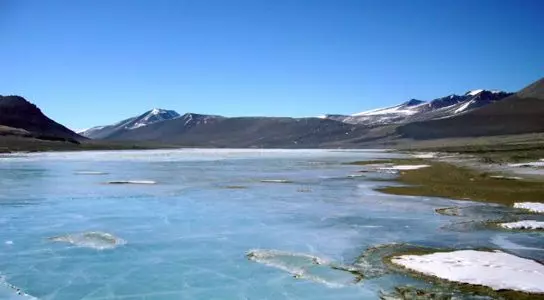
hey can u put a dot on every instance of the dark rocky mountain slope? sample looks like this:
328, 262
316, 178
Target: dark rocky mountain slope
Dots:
245, 132
26, 119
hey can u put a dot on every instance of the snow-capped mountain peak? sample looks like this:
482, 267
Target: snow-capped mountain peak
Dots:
413, 102
474, 92
153, 116
150, 117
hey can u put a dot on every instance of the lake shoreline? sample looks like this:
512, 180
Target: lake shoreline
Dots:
457, 177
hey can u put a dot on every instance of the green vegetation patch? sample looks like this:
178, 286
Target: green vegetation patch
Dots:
501, 153
417, 293
450, 181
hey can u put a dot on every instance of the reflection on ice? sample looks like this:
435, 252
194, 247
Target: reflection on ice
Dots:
94, 239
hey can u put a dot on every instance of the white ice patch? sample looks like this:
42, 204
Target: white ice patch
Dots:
525, 224
405, 167
497, 270
93, 239
530, 206
276, 181
132, 182
425, 155
355, 175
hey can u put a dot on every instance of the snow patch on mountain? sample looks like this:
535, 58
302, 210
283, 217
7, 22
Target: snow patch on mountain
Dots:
407, 108
153, 116
463, 107
417, 110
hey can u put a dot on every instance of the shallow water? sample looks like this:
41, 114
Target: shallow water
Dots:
186, 237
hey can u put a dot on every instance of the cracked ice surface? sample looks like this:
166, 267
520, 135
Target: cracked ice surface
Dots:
187, 237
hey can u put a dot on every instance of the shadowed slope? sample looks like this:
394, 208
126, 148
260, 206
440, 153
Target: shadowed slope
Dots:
16, 112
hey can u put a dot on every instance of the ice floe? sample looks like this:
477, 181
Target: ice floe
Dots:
132, 182
93, 239
405, 167
525, 224
287, 261
306, 266
497, 270
530, 206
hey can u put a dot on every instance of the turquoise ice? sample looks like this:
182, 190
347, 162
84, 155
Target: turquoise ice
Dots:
187, 236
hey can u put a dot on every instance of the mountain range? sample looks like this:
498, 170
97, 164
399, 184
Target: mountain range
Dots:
473, 114
217, 131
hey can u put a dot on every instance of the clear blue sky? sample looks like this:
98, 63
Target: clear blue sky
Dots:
95, 62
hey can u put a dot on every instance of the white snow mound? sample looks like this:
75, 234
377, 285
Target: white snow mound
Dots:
525, 224
425, 155
497, 270
530, 206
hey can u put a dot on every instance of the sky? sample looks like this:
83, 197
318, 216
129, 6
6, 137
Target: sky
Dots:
87, 63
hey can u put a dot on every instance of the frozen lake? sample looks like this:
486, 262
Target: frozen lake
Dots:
186, 237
